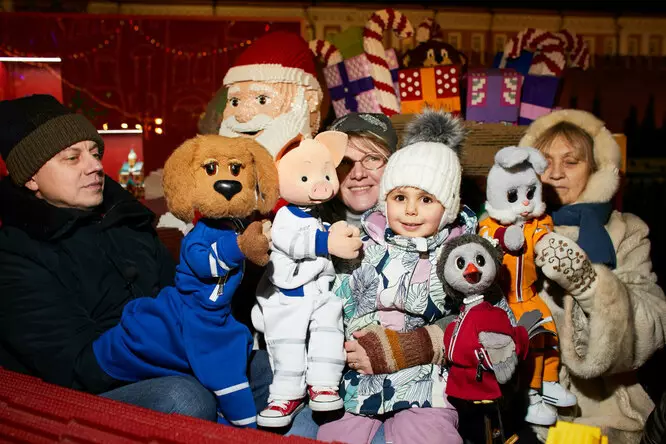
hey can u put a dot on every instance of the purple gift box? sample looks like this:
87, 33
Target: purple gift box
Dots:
351, 86
538, 97
493, 95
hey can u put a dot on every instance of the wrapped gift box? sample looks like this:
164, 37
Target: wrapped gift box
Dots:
538, 97
437, 87
521, 64
493, 95
351, 86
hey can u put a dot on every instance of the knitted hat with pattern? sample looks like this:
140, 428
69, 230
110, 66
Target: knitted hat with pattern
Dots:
33, 129
429, 161
276, 57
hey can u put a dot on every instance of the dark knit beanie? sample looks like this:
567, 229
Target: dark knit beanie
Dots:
376, 124
33, 129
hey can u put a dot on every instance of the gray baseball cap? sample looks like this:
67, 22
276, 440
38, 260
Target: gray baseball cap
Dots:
376, 124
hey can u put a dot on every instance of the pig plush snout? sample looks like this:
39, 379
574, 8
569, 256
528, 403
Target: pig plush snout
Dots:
322, 190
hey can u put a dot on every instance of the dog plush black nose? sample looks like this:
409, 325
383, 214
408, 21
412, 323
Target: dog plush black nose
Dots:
228, 188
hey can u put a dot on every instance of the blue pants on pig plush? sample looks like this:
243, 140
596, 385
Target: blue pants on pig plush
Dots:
189, 329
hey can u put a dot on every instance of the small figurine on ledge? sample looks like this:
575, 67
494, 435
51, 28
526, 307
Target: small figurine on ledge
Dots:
131, 175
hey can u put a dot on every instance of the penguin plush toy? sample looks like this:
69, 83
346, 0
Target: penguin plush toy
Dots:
482, 346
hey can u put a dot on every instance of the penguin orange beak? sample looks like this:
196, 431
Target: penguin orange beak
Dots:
472, 274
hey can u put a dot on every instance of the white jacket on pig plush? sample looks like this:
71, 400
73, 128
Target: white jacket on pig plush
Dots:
294, 297
516, 219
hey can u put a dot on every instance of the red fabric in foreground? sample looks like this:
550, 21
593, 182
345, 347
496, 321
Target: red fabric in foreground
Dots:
36, 412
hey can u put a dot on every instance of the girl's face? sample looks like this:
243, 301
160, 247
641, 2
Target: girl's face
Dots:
412, 212
360, 173
567, 173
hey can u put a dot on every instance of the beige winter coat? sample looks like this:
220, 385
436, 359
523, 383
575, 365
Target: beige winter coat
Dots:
610, 330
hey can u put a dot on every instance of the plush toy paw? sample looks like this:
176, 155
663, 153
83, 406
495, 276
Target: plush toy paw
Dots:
343, 228
514, 239
343, 246
254, 244
502, 353
565, 263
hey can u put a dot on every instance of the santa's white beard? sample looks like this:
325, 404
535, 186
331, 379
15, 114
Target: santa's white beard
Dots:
277, 132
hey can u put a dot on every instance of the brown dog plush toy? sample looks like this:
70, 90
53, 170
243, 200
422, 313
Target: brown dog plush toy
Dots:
188, 328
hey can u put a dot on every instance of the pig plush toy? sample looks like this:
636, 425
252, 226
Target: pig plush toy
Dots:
299, 314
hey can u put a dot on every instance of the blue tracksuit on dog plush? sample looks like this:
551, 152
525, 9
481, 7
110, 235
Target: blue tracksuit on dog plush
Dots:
189, 329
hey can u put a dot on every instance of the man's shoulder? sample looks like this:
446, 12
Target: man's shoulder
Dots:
18, 249
13, 239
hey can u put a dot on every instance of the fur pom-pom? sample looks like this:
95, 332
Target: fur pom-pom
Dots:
436, 126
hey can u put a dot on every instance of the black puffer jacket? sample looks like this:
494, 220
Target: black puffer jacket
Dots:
655, 426
65, 276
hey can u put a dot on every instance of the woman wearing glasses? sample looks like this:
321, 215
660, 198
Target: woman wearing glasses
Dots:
372, 140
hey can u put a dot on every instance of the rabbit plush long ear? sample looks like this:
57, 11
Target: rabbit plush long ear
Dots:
512, 156
336, 142
537, 159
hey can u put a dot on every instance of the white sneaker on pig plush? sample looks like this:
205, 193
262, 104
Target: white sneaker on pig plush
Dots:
539, 412
553, 393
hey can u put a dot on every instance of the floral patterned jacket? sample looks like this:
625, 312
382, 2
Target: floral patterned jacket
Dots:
394, 284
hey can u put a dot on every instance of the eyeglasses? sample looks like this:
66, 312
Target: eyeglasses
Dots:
370, 162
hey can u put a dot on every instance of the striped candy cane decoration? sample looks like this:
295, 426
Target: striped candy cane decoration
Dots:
325, 51
373, 35
549, 59
425, 30
575, 46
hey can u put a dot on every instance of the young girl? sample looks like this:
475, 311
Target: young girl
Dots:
395, 285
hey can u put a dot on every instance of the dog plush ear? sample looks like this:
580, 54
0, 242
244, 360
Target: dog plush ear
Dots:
336, 142
178, 180
267, 186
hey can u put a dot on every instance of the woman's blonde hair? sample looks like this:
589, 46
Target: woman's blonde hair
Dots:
367, 142
576, 137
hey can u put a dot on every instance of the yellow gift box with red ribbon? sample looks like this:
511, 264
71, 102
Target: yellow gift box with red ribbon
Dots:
436, 87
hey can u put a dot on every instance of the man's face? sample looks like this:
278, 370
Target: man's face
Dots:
73, 178
252, 106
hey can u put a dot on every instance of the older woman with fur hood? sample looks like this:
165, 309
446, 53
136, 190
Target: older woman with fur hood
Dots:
611, 316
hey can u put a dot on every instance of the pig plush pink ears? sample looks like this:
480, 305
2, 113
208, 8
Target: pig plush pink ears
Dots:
307, 173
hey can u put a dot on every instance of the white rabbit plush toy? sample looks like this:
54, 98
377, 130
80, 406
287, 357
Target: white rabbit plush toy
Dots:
517, 219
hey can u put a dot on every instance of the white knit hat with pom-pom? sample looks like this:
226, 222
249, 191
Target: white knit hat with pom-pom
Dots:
429, 161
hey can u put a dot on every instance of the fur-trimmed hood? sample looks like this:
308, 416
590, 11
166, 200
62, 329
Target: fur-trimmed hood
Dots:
603, 183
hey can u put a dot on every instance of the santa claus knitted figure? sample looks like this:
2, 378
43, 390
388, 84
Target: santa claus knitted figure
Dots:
273, 94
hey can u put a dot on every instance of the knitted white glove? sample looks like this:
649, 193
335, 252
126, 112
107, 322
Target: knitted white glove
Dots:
565, 263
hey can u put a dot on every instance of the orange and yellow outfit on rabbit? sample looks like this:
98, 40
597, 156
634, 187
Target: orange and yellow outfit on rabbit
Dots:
522, 296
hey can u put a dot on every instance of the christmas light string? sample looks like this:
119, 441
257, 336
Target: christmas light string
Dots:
146, 120
216, 51
148, 38
83, 90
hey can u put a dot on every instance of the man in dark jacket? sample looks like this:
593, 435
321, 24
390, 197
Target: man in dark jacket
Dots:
74, 249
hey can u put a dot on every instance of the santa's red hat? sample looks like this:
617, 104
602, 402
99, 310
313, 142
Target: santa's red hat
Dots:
276, 57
